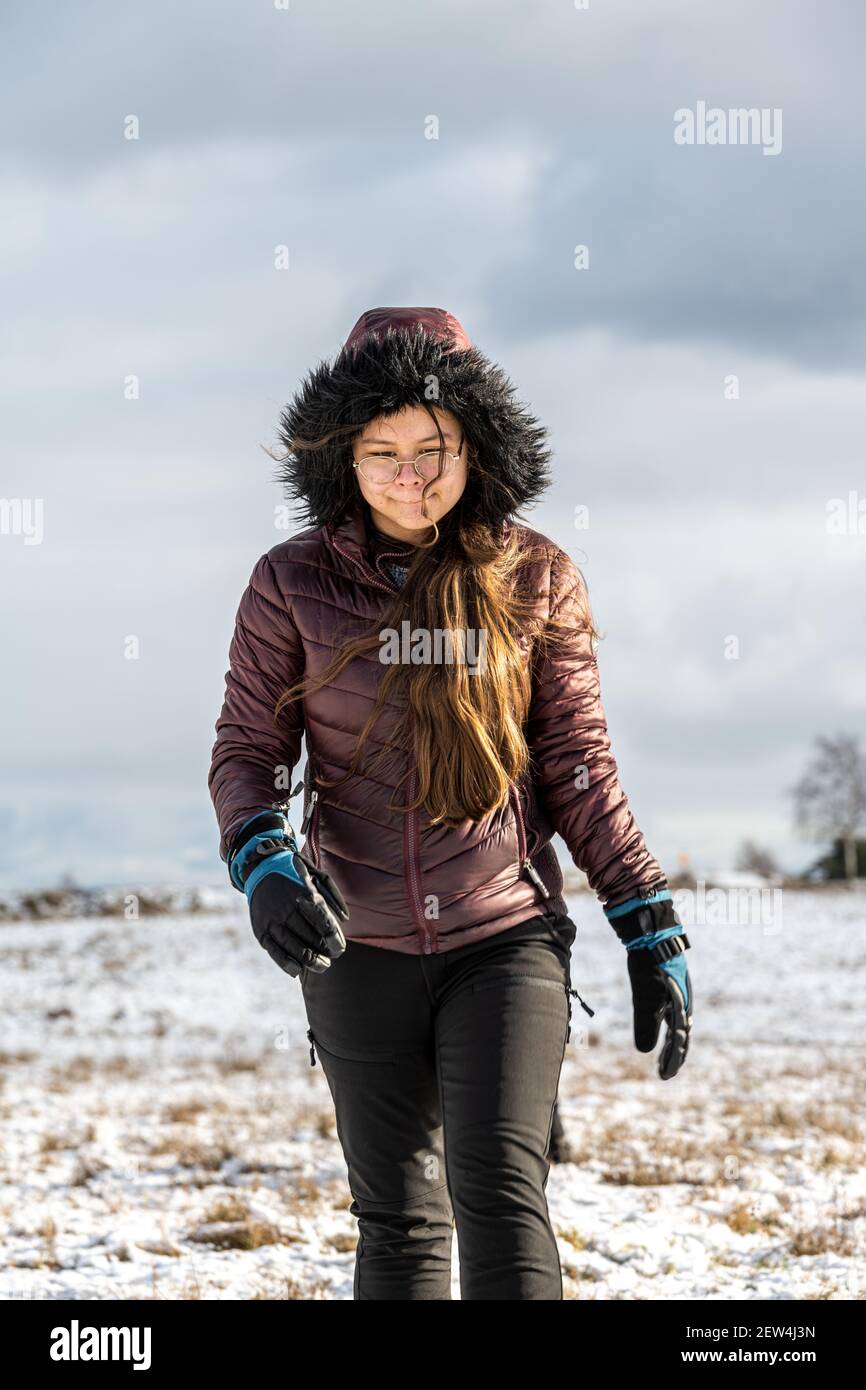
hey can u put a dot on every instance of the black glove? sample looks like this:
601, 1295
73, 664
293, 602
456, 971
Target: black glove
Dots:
295, 908
661, 988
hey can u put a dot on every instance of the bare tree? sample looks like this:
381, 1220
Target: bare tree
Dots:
830, 797
752, 859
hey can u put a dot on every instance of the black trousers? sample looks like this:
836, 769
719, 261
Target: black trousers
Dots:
444, 1071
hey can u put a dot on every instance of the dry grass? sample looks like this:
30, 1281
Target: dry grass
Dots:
228, 1065
85, 1169
298, 1292
306, 1189
756, 1119
76, 1072
677, 1159
343, 1242
228, 1209
55, 1143
744, 1220
825, 1240
194, 1153
641, 1174
573, 1237
229, 1224
240, 1235
184, 1112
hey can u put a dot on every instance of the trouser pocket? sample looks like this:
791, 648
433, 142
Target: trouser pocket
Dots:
564, 931
339, 1053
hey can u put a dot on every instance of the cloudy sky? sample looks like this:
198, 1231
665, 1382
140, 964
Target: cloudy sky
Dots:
702, 378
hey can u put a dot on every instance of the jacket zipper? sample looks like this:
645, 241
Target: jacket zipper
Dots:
411, 848
365, 569
314, 831
526, 865
411, 845
412, 859
412, 853
305, 823
310, 822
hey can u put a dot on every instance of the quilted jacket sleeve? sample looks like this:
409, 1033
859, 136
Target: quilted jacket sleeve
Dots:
575, 770
265, 656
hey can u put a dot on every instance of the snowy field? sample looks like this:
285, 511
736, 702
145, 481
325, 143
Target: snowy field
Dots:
164, 1135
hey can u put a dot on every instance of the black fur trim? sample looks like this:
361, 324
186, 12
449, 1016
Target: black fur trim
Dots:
378, 376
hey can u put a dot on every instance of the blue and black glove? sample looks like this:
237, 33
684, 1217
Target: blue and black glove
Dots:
654, 937
295, 908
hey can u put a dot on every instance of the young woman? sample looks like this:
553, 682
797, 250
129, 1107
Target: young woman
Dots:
439, 658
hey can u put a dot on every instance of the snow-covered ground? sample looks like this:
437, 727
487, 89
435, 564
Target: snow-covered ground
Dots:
164, 1135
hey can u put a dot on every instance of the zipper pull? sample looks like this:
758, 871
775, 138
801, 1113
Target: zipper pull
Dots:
533, 873
312, 1047
305, 823
284, 805
590, 1011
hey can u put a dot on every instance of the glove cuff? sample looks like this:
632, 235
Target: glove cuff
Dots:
659, 892
267, 833
649, 922
663, 948
280, 860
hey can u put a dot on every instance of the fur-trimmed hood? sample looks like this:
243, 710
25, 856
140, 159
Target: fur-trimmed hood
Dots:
406, 356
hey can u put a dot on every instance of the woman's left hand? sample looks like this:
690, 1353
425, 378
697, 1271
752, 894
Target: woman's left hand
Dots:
656, 942
661, 992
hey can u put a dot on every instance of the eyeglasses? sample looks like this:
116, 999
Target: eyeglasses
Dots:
379, 470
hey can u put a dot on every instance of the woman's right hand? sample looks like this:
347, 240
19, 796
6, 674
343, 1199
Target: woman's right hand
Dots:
296, 917
296, 909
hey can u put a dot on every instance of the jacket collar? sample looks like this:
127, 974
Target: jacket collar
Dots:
350, 538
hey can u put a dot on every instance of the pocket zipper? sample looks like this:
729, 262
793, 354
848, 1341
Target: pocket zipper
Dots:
526, 865
569, 992
305, 823
309, 822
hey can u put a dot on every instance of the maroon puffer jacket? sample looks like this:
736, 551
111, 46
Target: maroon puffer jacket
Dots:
410, 886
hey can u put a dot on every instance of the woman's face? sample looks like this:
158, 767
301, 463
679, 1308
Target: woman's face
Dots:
396, 506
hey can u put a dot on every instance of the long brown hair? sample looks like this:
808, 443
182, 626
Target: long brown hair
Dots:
469, 728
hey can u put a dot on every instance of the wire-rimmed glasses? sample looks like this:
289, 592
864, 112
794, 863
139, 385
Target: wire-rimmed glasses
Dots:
380, 470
